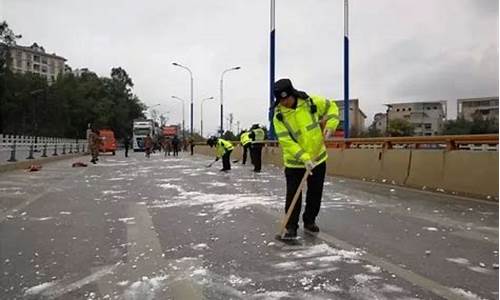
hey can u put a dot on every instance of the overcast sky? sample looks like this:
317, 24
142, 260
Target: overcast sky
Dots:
401, 50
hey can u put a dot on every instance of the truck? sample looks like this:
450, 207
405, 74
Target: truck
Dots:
140, 129
170, 131
108, 141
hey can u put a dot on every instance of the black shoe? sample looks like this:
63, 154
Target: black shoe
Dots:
311, 227
93, 161
224, 170
290, 234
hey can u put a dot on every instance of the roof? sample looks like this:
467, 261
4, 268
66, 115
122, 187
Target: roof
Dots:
30, 49
419, 102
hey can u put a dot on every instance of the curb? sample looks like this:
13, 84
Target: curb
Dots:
39, 161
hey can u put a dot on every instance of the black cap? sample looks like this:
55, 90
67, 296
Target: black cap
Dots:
283, 88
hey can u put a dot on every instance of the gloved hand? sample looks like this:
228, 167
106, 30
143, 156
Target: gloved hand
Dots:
309, 166
328, 134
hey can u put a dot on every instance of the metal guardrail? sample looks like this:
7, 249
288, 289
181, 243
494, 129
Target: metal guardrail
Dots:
477, 142
481, 142
16, 147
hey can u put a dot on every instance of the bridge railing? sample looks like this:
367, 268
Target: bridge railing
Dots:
14, 147
476, 142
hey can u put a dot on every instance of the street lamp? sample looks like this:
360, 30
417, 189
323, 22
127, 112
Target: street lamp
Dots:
201, 111
221, 98
183, 128
191, 76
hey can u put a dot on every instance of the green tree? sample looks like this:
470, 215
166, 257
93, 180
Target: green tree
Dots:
400, 127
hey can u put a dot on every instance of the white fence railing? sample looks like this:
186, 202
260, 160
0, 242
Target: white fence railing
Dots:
15, 147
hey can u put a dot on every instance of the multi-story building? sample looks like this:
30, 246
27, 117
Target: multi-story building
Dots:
34, 59
427, 118
486, 107
356, 116
380, 122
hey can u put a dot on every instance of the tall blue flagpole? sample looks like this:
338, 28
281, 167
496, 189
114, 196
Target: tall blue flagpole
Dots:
271, 72
346, 68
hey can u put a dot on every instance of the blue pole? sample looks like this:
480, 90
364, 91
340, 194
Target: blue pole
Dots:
346, 69
271, 134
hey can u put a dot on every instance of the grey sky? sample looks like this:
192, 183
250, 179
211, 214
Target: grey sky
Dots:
401, 50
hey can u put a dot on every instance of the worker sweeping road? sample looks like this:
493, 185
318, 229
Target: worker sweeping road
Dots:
245, 141
223, 149
300, 122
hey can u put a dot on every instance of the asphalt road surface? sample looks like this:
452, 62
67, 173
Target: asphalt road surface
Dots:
171, 228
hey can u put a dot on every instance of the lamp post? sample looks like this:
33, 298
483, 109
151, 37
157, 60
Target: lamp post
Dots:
201, 115
191, 77
221, 98
183, 128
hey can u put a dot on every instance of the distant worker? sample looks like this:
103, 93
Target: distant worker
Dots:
175, 145
257, 135
148, 145
167, 146
87, 135
223, 149
94, 144
300, 121
126, 144
191, 145
245, 141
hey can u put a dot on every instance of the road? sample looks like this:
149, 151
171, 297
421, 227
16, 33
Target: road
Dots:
171, 228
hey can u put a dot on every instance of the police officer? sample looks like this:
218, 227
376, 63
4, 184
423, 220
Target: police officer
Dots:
258, 136
300, 121
223, 149
245, 143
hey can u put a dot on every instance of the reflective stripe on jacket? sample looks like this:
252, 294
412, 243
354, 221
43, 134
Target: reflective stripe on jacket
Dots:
258, 135
299, 132
222, 147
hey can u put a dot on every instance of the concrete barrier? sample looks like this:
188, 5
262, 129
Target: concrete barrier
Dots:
426, 168
471, 172
394, 166
463, 172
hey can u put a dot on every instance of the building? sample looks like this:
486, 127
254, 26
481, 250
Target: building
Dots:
427, 118
486, 107
380, 122
34, 59
356, 116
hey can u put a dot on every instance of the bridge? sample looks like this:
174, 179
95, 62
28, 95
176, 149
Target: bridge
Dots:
171, 228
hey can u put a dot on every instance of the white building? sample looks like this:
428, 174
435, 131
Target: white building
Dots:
356, 115
427, 118
34, 59
486, 107
380, 122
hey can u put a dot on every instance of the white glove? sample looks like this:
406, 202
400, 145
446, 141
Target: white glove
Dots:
309, 166
328, 134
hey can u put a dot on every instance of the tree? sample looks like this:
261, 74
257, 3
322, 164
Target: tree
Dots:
400, 127
478, 125
7, 40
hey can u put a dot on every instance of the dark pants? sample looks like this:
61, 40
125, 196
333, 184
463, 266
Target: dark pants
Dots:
192, 149
126, 151
313, 197
246, 149
176, 150
256, 156
226, 163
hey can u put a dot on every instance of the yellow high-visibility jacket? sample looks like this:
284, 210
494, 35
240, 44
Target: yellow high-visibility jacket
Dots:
258, 135
223, 146
245, 138
299, 133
